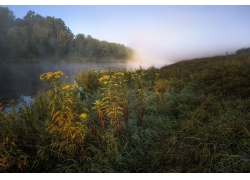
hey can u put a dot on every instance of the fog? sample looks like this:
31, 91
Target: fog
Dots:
23, 78
151, 51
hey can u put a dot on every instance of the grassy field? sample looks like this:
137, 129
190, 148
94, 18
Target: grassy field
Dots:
191, 116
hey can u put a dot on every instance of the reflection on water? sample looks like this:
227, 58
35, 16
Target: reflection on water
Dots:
23, 100
23, 79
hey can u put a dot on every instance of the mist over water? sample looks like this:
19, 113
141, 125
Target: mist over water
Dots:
23, 79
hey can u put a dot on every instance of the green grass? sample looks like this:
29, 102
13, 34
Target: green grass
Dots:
191, 116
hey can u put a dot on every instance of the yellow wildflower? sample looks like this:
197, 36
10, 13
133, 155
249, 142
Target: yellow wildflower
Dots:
119, 74
83, 116
42, 77
66, 87
104, 78
75, 86
51, 76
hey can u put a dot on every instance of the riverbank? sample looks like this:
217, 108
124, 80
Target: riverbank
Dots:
18, 79
192, 116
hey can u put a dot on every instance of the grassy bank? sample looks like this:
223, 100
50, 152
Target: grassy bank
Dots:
192, 116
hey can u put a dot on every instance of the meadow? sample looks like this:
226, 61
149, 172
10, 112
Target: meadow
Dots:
191, 116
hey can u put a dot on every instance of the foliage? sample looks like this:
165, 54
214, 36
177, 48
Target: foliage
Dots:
242, 50
37, 37
192, 116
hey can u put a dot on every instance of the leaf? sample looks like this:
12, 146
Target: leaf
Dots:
55, 115
70, 100
69, 115
85, 109
51, 102
120, 108
68, 109
76, 132
103, 99
116, 97
110, 113
57, 119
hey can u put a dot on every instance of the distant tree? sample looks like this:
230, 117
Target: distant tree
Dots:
59, 26
80, 44
29, 18
36, 40
7, 19
243, 50
65, 42
20, 22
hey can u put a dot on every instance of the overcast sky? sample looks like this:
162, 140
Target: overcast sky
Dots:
161, 34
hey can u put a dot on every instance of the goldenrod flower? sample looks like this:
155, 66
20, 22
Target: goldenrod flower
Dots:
119, 74
70, 87
42, 77
51, 76
83, 116
104, 78
66, 87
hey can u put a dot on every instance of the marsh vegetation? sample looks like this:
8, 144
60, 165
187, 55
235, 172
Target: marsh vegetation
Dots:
191, 116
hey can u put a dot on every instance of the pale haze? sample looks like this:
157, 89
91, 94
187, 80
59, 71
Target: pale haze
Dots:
159, 34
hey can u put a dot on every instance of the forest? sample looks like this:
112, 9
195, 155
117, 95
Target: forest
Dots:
37, 38
192, 116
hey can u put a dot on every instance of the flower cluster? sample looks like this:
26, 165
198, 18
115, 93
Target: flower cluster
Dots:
119, 74
104, 78
115, 80
51, 76
70, 87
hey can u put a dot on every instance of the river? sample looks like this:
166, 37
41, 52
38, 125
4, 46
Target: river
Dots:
23, 79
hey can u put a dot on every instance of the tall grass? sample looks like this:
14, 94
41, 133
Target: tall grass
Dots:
192, 116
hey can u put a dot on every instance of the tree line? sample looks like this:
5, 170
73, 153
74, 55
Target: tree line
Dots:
243, 50
36, 37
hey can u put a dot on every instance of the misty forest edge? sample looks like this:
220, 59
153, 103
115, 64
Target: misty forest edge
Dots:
38, 38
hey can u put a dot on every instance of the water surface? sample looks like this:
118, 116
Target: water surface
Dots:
23, 79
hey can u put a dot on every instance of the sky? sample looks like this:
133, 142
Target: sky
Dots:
159, 34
